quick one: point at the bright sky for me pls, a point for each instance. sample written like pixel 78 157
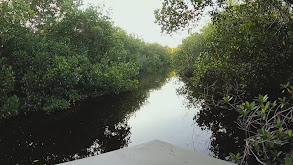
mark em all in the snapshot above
pixel 137 17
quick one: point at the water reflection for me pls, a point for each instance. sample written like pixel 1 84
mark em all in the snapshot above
pixel 54 139
pixel 166 118
pixel 94 127
pixel 226 137
pixel 154 111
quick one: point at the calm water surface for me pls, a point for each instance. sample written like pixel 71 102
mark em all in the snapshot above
pixel 166 117
pixel 155 111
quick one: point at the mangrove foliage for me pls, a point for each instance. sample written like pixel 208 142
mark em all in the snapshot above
pixel 243 55
pixel 56 52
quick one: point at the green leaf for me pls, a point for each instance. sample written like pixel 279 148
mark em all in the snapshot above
pixel 288 161
pixel 278 122
pixel 263 131
pixel 267 105
pixel 227 98
pixel 238 155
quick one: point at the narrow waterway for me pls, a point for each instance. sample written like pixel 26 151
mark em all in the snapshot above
pixel 154 111
pixel 166 116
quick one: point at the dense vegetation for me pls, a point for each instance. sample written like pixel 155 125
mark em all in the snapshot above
pixel 54 53
pixel 247 50
pixel 94 126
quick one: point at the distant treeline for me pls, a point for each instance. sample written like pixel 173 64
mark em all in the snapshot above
pixel 54 53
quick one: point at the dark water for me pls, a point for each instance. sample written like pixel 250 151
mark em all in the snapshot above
pixel 158 110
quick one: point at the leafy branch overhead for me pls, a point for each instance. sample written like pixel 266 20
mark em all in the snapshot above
pixel 181 14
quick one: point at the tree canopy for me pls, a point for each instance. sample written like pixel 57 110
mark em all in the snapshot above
pixel 53 53
pixel 180 14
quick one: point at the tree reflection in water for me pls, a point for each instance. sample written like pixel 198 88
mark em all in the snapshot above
pixel 226 137
pixel 93 127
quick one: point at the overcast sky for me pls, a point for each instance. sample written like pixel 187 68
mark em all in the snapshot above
pixel 137 17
